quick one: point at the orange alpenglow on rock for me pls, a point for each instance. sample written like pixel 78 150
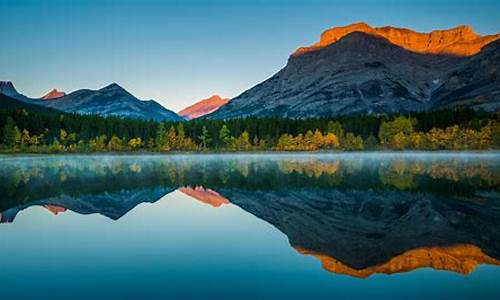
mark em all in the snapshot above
pixel 55 209
pixel 458 41
pixel 54 94
pixel 461 259
pixel 207 196
pixel 203 107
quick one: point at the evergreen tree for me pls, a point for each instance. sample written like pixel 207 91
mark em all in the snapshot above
pixel 160 135
pixel 11 134
pixel 225 136
pixel 371 142
pixel 336 128
pixel 353 142
pixel 204 138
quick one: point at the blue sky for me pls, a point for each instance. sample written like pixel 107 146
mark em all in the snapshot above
pixel 178 52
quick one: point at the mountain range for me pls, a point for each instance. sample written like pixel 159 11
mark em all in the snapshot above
pixel 111 100
pixel 358 69
pixel 354 69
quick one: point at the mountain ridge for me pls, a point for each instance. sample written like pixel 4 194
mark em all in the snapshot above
pixel 458 41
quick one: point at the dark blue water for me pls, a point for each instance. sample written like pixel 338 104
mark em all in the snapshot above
pixel 386 226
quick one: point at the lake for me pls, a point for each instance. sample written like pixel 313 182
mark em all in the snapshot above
pixel 251 226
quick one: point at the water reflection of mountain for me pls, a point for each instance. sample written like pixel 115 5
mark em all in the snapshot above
pixel 363 229
pixel 85 185
pixel 357 215
pixel 113 205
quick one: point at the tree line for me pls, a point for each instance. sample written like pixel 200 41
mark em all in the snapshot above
pixel 460 129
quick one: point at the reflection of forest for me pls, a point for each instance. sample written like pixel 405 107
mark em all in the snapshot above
pixel 358 215
pixel 24 180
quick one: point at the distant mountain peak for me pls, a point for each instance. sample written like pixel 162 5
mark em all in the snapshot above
pixel 53 94
pixel 457 41
pixel 6 83
pixel 115 89
pixel 7 88
pixel 112 86
pixel 203 107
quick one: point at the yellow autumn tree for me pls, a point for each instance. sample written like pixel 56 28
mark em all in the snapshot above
pixel 135 143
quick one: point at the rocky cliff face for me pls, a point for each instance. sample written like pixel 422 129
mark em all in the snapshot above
pixel 361 70
pixel 53 94
pixel 458 41
pixel 475 83
pixel 203 107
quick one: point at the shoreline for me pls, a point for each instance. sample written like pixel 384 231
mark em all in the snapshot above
pixel 270 153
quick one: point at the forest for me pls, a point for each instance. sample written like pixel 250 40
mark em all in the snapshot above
pixel 24 130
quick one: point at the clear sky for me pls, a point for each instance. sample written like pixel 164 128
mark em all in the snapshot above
pixel 178 52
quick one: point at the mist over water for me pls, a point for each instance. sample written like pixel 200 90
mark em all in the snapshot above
pixel 299 225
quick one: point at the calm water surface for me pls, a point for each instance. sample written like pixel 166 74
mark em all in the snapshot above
pixel 281 226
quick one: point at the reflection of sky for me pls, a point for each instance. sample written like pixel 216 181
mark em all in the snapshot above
pixel 181 247
pixel 179 51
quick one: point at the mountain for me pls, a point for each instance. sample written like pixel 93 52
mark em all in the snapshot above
pixel 54 94
pixel 362 70
pixel 112 100
pixel 203 107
